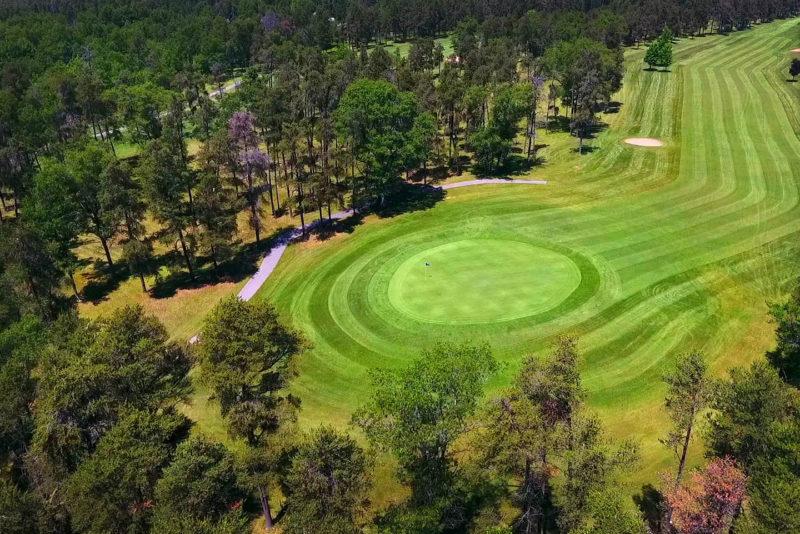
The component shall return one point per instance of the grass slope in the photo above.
(676, 248)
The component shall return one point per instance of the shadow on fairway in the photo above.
(242, 263)
(587, 149)
(409, 198)
(431, 176)
(613, 107)
(594, 131)
(560, 123)
(516, 164)
(329, 229)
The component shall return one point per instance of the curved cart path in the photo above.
(275, 254)
(271, 260)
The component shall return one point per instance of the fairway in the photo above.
(643, 253)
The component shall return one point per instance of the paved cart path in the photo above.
(272, 258)
(275, 254)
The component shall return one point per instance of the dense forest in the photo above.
(304, 108)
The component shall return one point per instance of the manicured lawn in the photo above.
(642, 253)
(448, 282)
(402, 47)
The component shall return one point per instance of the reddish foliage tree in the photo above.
(711, 499)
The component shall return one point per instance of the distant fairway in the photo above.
(641, 252)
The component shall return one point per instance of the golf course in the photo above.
(641, 252)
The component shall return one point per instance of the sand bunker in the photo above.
(644, 141)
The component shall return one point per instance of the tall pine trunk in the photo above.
(682, 463)
(277, 191)
(74, 286)
(104, 242)
(286, 182)
(302, 218)
(253, 200)
(254, 216)
(214, 257)
(268, 522)
(191, 204)
(271, 196)
(186, 253)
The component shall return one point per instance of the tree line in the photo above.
(113, 68)
(324, 117)
(307, 129)
(304, 133)
(94, 440)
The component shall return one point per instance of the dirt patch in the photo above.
(644, 141)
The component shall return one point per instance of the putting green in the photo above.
(677, 249)
(482, 281)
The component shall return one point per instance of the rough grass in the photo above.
(127, 149)
(678, 248)
(182, 313)
(179, 304)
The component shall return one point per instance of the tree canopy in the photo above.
(168, 139)
(659, 53)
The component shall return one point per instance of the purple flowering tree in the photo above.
(242, 130)
(270, 21)
(253, 164)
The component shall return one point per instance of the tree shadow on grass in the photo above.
(102, 280)
(587, 149)
(558, 124)
(329, 229)
(594, 131)
(243, 263)
(651, 503)
(240, 265)
(406, 197)
(516, 164)
(612, 107)
(409, 198)
(430, 176)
